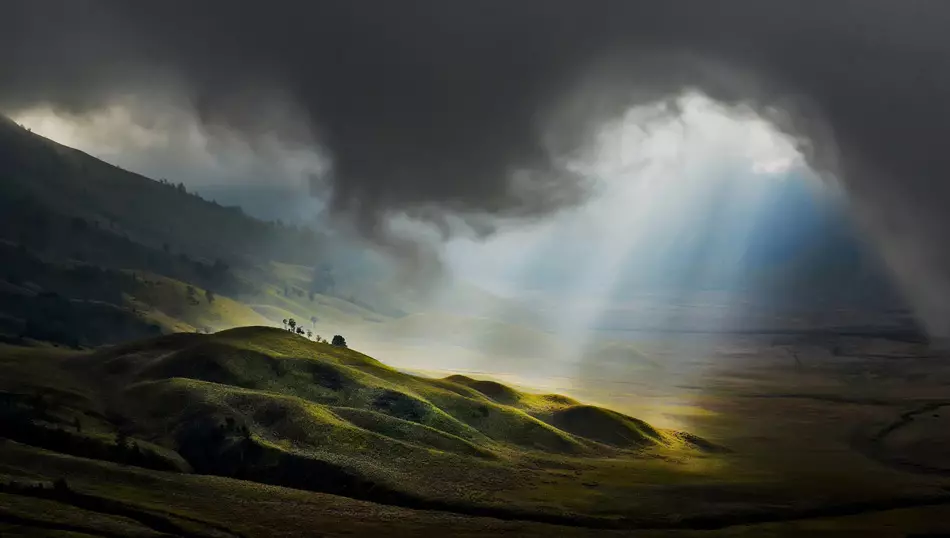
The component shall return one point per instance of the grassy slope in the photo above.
(320, 403)
(313, 406)
(274, 361)
(168, 302)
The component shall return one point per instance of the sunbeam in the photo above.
(679, 189)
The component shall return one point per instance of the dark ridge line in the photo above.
(391, 497)
(158, 522)
(6, 517)
(871, 447)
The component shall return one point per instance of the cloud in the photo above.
(473, 107)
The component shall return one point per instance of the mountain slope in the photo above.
(68, 182)
(97, 238)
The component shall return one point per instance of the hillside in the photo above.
(64, 181)
(269, 406)
(146, 257)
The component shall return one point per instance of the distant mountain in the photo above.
(87, 237)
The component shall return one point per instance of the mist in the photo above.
(706, 231)
(470, 116)
(692, 205)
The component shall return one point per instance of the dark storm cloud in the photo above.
(450, 105)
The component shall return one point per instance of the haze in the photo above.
(665, 267)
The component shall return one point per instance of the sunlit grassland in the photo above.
(478, 441)
(180, 307)
(459, 443)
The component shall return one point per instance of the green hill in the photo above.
(269, 406)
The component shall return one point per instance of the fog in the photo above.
(702, 218)
(658, 175)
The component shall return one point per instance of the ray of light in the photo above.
(699, 175)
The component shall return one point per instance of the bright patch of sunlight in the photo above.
(679, 190)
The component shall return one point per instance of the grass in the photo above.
(244, 507)
(309, 406)
(181, 307)
(177, 306)
(213, 506)
(332, 420)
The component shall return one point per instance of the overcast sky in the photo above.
(477, 112)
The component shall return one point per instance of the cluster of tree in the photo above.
(290, 324)
(180, 187)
